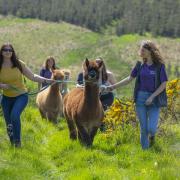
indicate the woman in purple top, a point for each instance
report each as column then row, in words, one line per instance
column 150, row 83
column 46, row 71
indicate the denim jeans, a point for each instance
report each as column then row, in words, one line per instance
column 12, row 108
column 148, row 117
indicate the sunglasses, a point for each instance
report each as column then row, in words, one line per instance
column 7, row 50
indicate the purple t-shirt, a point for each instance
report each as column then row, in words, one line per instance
column 147, row 76
column 46, row 74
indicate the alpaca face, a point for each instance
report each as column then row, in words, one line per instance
column 57, row 75
column 67, row 74
column 91, row 70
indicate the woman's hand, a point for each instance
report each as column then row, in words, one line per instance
column 149, row 101
column 110, row 88
column 104, row 88
column 49, row 81
column 79, row 86
column 4, row 86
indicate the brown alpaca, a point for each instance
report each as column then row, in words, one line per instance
column 64, row 86
column 82, row 107
column 49, row 101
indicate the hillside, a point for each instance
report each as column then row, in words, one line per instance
column 47, row 152
column 34, row 40
column 127, row 16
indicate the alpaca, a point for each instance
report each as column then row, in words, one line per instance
column 49, row 101
column 65, row 89
column 82, row 107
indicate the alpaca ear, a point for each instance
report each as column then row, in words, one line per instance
column 87, row 62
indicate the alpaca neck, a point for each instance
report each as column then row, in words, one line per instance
column 91, row 94
column 55, row 88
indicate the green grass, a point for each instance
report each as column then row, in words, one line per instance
column 48, row 153
column 34, row 40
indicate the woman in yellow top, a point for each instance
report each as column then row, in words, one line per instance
column 15, row 96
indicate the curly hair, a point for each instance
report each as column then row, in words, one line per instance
column 155, row 53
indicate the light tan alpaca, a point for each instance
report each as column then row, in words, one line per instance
column 49, row 101
column 82, row 107
column 64, row 86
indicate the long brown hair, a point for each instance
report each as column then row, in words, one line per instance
column 104, row 70
column 46, row 63
column 14, row 59
column 155, row 53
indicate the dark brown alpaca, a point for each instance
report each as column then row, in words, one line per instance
column 49, row 101
column 82, row 107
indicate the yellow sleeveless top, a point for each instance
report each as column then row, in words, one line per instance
column 15, row 79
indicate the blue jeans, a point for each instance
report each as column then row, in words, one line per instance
column 12, row 108
column 148, row 117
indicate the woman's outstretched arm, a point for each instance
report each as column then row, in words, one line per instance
column 34, row 77
column 123, row 82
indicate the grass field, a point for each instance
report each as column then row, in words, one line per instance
column 47, row 152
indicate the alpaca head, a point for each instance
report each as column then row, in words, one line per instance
column 67, row 74
column 57, row 75
column 91, row 70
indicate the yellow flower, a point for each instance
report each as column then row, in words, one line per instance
column 170, row 92
column 123, row 111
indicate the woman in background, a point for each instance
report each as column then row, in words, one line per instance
column 47, row 69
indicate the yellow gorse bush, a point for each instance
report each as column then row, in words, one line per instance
column 173, row 108
column 124, row 111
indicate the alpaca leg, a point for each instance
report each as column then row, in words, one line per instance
column 52, row 117
column 62, row 115
column 42, row 114
column 93, row 133
column 84, row 138
column 83, row 135
column 72, row 129
column 61, row 111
